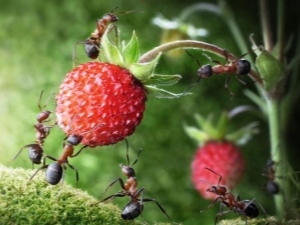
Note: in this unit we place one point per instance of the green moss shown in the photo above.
(37, 202)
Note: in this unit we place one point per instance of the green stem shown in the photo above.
(281, 30)
(278, 155)
(148, 56)
(266, 27)
(224, 11)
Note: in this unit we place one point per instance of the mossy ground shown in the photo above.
(37, 202)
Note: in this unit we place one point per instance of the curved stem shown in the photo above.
(148, 56)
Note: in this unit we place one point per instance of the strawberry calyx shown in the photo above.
(127, 56)
(208, 130)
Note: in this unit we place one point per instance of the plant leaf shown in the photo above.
(198, 135)
(163, 80)
(161, 93)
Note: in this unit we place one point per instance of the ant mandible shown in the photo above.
(271, 186)
(238, 67)
(92, 43)
(35, 151)
(246, 208)
(135, 207)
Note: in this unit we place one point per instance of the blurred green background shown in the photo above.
(36, 44)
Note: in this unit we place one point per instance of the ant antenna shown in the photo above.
(220, 177)
(127, 155)
(47, 101)
(199, 64)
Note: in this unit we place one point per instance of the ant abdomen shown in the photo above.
(132, 210)
(250, 210)
(272, 187)
(54, 173)
(243, 67)
(35, 153)
(91, 49)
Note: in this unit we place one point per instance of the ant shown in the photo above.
(271, 186)
(246, 208)
(239, 67)
(92, 43)
(135, 207)
(35, 151)
(55, 170)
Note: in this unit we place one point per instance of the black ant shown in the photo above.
(55, 170)
(246, 208)
(135, 207)
(271, 186)
(92, 43)
(238, 67)
(35, 151)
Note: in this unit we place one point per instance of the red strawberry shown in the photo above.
(222, 157)
(219, 153)
(104, 102)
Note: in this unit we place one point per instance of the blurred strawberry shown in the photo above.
(218, 152)
(105, 101)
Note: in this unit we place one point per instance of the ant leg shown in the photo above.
(43, 166)
(112, 183)
(111, 197)
(226, 85)
(77, 153)
(74, 51)
(261, 207)
(211, 204)
(26, 146)
(159, 206)
(77, 174)
(219, 215)
(189, 87)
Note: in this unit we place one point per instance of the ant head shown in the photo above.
(217, 189)
(74, 139)
(270, 163)
(132, 210)
(243, 67)
(205, 71)
(110, 18)
(128, 171)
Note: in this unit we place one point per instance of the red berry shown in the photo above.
(100, 101)
(222, 157)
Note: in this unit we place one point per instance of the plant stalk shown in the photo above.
(148, 56)
(278, 155)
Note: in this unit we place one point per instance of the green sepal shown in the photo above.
(131, 51)
(198, 135)
(163, 80)
(111, 51)
(207, 125)
(270, 69)
(160, 93)
(244, 134)
(143, 71)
